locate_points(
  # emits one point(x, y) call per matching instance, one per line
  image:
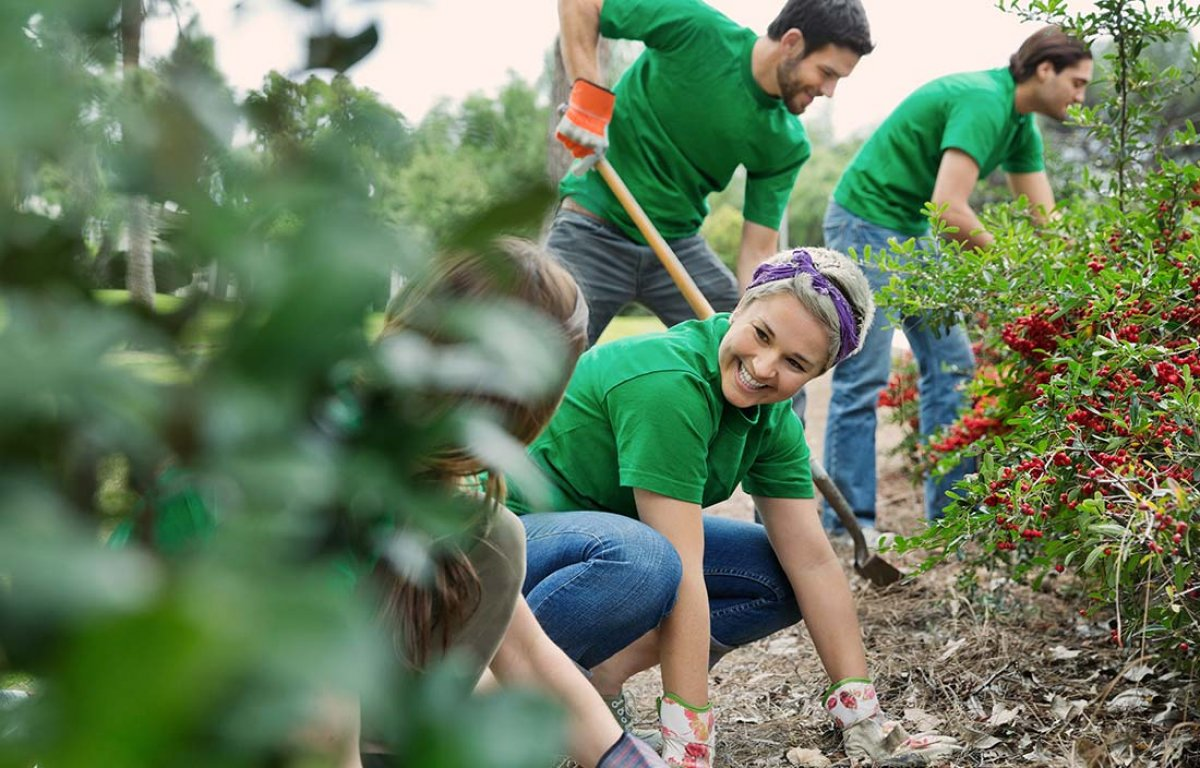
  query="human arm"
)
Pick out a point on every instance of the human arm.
point(583, 129)
point(818, 581)
point(528, 657)
point(956, 178)
point(758, 244)
point(579, 38)
point(1036, 188)
point(684, 635)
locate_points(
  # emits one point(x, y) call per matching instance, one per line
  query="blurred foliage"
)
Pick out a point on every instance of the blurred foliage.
point(467, 154)
point(267, 432)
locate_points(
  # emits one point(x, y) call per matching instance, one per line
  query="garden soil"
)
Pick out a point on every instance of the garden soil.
point(1016, 674)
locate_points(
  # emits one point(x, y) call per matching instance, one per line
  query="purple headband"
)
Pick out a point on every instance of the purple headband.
point(802, 263)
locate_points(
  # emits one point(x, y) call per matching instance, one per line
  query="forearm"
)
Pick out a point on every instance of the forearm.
point(829, 613)
point(684, 641)
point(758, 244)
point(970, 230)
point(1035, 187)
point(819, 583)
point(579, 36)
point(527, 657)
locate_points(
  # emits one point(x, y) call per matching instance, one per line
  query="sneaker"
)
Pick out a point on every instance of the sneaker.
point(877, 539)
point(874, 537)
point(622, 711)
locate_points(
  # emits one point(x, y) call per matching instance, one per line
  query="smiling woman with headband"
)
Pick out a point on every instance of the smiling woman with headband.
point(625, 572)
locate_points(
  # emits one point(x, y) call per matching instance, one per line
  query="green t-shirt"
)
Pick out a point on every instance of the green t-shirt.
point(688, 112)
point(892, 176)
point(648, 412)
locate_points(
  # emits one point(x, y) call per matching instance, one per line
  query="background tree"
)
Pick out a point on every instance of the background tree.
point(139, 277)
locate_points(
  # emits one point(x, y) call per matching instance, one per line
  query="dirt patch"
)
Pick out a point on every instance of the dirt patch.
point(1018, 675)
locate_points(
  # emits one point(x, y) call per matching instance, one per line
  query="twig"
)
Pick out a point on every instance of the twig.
point(1113, 684)
point(991, 679)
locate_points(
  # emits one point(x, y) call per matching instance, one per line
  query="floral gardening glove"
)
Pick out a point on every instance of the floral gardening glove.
point(689, 734)
point(583, 128)
point(871, 738)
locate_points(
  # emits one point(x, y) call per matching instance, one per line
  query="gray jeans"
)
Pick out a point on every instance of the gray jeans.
point(613, 270)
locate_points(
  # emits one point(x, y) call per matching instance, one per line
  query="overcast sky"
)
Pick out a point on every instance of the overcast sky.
point(449, 48)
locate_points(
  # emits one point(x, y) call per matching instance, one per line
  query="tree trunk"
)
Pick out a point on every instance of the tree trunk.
point(139, 272)
point(558, 159)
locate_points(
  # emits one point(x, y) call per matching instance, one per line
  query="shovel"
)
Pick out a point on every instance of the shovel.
point(871, 567)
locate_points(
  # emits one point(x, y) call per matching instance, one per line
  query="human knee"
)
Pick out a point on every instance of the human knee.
point(654, 565)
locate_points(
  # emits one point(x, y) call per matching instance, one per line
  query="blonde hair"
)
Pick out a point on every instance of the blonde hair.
point(846, 276)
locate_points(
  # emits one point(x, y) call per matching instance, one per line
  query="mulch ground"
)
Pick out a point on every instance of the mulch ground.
point(1016, 675)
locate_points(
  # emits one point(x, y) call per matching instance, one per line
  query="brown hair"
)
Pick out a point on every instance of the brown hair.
point(1047, 44)
point(424, 616)
point(825, 22)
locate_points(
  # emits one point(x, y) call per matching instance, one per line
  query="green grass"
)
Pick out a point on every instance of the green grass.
point(162, 302)
point(631, 325)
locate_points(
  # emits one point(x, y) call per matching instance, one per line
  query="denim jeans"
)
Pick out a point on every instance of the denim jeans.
point(944, 360)
point(597, 581)
point(613, 270)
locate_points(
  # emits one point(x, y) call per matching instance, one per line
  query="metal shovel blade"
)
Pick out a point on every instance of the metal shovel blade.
point(867, 564)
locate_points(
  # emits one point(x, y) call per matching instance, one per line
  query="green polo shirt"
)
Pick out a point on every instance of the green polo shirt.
point(892, 176)
point(648, 412)
point(687, 113)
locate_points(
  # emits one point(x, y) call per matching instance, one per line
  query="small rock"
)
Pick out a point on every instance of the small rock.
point(807, 758)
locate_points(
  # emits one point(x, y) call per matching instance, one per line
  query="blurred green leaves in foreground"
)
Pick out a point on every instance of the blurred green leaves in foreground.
point(229, 410)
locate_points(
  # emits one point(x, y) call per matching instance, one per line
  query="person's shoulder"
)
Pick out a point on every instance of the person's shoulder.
point(685, 351)
point(995, 85)
point(981, 94)
point(685, 19)
point(961, 83)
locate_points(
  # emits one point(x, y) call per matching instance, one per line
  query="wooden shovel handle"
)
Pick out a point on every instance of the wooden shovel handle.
point(674, 267)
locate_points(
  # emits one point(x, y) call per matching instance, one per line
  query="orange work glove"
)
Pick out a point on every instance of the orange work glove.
point(584, 125)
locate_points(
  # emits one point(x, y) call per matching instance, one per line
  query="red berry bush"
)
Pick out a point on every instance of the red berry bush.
point(1087, 399)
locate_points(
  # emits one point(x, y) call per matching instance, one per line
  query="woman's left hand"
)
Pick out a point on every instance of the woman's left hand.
point(871, 738)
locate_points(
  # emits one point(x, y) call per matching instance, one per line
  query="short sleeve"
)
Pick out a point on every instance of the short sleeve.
point(1027, 154)
point(782, 469)
point(975, 128)
point(660, 24)
point(767, 195)
point(662, 423)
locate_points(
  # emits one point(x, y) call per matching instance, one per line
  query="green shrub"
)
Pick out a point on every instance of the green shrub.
point(1086, 416)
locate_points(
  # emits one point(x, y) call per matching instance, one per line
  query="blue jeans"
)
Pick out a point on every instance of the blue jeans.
point(945, 362)
point(613, 270)
point(597, 581)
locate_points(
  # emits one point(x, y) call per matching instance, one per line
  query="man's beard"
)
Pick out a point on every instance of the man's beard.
point(790, 90)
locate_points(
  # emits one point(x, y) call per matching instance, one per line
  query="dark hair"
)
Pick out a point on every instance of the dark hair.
point(1047, 44)
point(424, 617)
point(824, 22)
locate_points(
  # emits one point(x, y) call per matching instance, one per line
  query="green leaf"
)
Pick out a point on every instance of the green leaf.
point(339, 53)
